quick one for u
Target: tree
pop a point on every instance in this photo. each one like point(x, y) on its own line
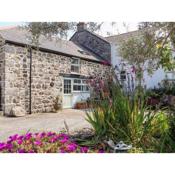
point(164, 39)
point(150, 49)
point(58, 29)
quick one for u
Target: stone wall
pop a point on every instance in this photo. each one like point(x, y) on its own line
point(47, 80)
point(2, 75)
point(94, 43)
point(16, 78)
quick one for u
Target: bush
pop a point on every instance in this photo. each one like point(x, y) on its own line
point(121, 117)
point(56, 104)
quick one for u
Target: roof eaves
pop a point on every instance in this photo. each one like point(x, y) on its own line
point(52, 51)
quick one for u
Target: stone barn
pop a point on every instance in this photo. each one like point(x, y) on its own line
point(32, 78)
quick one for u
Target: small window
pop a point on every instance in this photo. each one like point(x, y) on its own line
point(78, 81)
point(80, 85)
point(77, 87)
point(67, 86)
point(75, 65)
point(123, 75)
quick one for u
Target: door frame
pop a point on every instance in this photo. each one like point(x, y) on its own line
point(71, 94)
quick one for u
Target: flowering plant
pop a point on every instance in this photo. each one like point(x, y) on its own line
point(45, 142)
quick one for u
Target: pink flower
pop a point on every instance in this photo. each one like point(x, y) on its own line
point(65, 136)
point(13, 138)
point(71, 147)
point(28, 136)
point(19, 142)
point(50, 134)
point(53, 139)
point(84, 149)
point(38, 143)
point(42, 135)
point(2, 146)
point(64, 140)
point(21, 151)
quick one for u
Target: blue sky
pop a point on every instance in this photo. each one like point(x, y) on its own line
point(9, 23)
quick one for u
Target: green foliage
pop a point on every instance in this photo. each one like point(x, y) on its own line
point(166, 58)
point(125, 118)
point(160, 123)
point(57, 29)
point(151, 47)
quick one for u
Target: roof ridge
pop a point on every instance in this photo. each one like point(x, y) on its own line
point(124, 33)
point(130, 32)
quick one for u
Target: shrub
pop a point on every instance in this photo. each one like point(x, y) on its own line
point(56, 104)
point(121, 117)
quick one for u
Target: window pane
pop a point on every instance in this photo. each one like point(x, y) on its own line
point(74, 61)
point(85, 88)
point(77, 81)
point(77, 88)
point(67, 86)
point(84, 81)
point(74, 68)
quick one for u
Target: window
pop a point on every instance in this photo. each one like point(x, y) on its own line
point(80, 85)
point(123, 75)
point(67, 86)
point(75, 65)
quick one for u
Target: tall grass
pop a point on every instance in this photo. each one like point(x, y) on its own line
point(122, 117)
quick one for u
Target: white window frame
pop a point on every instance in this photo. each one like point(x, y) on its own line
point(75, 65)
point(170, 73)
point(81, 84)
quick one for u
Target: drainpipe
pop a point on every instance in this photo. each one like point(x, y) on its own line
point(30, 82)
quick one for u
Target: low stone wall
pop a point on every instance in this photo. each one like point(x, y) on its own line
point(47, 82)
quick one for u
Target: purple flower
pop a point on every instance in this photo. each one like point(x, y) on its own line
point(64, 140)
point(50, 134)
point(64, 136)
point(13, 137)
point(28, 136)
point(2, 146)
point(71, 147)
point(53, 139)
point(36, 134)
point(19, 142)
point(21, 151)
point(42, 135)
point(20, 137)
point(38, 142)
point(84, 149)
point(100, 151)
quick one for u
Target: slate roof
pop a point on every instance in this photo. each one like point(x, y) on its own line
point(124, 36)
point(21, 36)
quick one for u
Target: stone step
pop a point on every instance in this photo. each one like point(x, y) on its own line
point(1, 113)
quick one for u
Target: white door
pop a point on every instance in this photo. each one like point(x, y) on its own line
point(67, 98)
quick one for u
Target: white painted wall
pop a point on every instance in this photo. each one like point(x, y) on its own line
point(150, 81)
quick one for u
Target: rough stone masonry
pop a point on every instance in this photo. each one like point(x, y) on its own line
point(47, 77)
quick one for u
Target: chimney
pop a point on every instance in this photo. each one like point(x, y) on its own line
point(81, 26)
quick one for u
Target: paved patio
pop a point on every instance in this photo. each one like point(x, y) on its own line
point(75, 119)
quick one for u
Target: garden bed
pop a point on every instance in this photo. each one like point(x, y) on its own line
point(45, 142)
